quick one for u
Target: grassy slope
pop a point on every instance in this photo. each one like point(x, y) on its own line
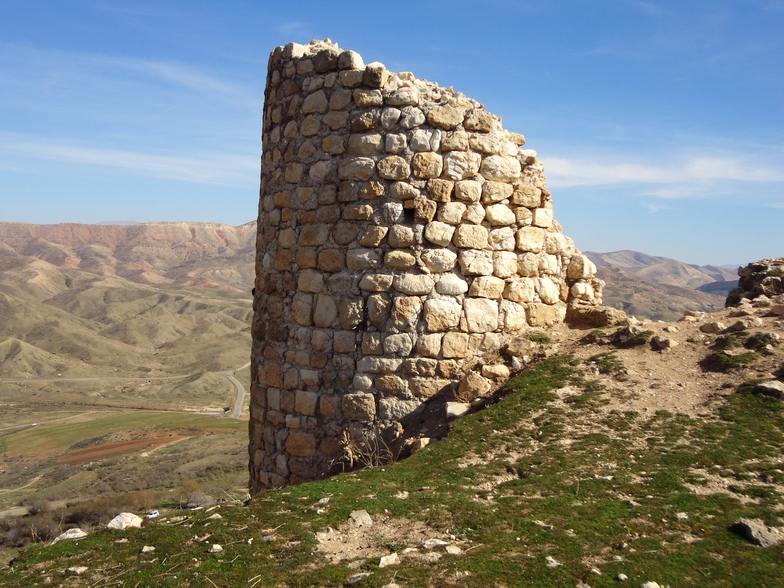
point(611, 487)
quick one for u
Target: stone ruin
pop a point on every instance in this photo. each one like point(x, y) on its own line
point(759, 278)
point(406, 244)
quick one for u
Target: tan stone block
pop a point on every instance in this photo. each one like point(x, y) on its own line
point(528, 265)
point(373, 236)
point(306, 258)
point(328, 404)
point(391, 384)
point(356, 168)
point(500, 215)
point(361, 259)
point(421, 366)
point(461, 165)
point(315, 102)
point(310, 126)
point(451, 212)
point(364, 121)
point(326, 214)
point(474, 262)
point(470, 237)
point(423, 388)
point(439, 260)
point(527, 195)
point(429, 345)
point(495, 192)
point(395, 143)
point(403, 191)
point(364, 98)
point(400, 236)
point(449, 368)
point(530, 239)
point(331, 260)
point(400, 344)
point(442, 314)
point(344, 342)
point(293, 173)
point(439, 190)
point(350, 60)
point(287, 238)
point(351, 313)
point(426, 165)
point(439, 233)
point(445, 117)
point(487, 287)
point(325, 311)
point(413, 284)
point(473, 386)
point(365, 144)
point(502, 168)
point(351, 78)
point(340, 98)
point(345, 233)
point(400, 260)
point(481, 315)
point(455, 141)
point(379, 306)
point(454, 345)
point(405, 312)
point(306, 402)
point(547, 290)
point(371, 190)
point(452, 285)
point(336, 120)
point(378, 365)
point(502, 239)
point(504, 264)
point(394, 167)
point(478, 120)
point(496, 371)
point(282, 260)
point(580, 268)
point(513, 316)
point(358, 212)
point(468, 190)
point(542, 217)
point(544, 315)
point(372, 343)
point(375, 75)
point(488, 143)
point(376, 282)
point(310, 281)
point(520, 290)
point(300, 444)
point(424, 209)
point(359, 407)
point(406, 96)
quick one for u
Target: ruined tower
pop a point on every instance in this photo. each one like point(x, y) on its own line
point(405, 239)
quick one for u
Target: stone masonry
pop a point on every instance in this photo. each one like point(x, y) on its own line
point(406, 242)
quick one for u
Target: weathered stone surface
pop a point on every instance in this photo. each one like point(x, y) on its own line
point(439, 190)
point(356, 168)
point(473, 386)
point(316, 102)
point(124, 520)
point(400, 236)
point(499, 215)
point(460, 165)
point(426, 165)
point(394, 167)
point(481, 315)
point(487, 287)
point(439, 233)
point(530, 239)
point(399, 260)
point(500, 168)
point(442, 314)
point(758, 533)
point(400, 344)
point(470, 237)
point(454, 345)
point(359, 259)
point(580, 268)
point(439, 260)
point(325, 311)
point(445, 117)
point(452, 285)
point(451, 212)
point(476, 263)
point(405, 312)
point(414, 284)
point(376, 282)
point(375, 75)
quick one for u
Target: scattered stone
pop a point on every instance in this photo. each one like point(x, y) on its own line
point(772, 388)
point(433, 543)
point(389, 560)
point(70, 534)
point(402, 495)
point(660, 343)
point(360, 518)
point(357, 577)
point(621, 577)
point(215, 548)
point(713, 327)
point(649, 585)
point(456, 410)
point(758, 533)
point(453, 550)
point(125, 520)
point(552, 562)
point(147, 549)
point(214, 517)
point(681, 516)
point(543, 525)
point(76, 570)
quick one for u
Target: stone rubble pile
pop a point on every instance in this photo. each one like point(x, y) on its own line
point(759, 278)
point(405, 239)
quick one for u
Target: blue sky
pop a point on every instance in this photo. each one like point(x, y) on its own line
point(660, 123)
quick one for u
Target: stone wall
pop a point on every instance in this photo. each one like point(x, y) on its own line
point(405, 243)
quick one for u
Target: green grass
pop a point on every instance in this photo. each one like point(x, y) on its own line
point(609, 486)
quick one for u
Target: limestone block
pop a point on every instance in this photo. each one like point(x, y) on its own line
point(496, 191)
point(468, 190)
point(520, 290)
point(400, 260)
point(445, 117)
point(351, 313)
point(473, 386)
point(306, 402)
point(476, 263)
point(373, 236)
point(426, 165)
point(358, 407)
point(375, 75)
point(394, 167)
point(544, 315)
point(439, 233)
point(400, 236)
point(474, 214)
point(315, 102)
point(293, 173)
point(287, 238)
point(425, 140)
point(582, 291)
point(452, 285)
point(421, 366)
point(350, 60)
point(439, 260)
point(400, 345)
point(542, 217)
point(454, 345)
point(500, 215)
point(478, 120)
point(414, 284)
point(403, 191)
point(395, 143)
point(310, 126)
point(390, 213)
point(502, 239)
point(310, 281)
point(530, 239)
point(504, 264)
point(389, 117)
point(325, 311)
point(461, 165)
point(336, 120)
point(557, 244)
point(501, 168)
point(513, 316)
point(426, 387)
point(548, 264)
point(378, 306)
point(442, 314)
point(439, 190)
point(580, 268)
point(425, 210)
point(470, 237)
point(411, 117)
point(396, 409)
point(429, 345)
point(356, 168)
point(527, 195)
point(408, 96)
point(361, 258)
point(328, 404)
point(300, 444)
point(302, 309)
point(372, 344)
point(481, 315)
point(528, 265)
point(365, 143)
point(309, 378)
point(488, 143)
point(547, 290)
point(331, 260)
point(365, 120)
point(405, 312)
point(392, 384)
point(378, 365)
point(487, 287)
point(366, 98)
point(451, 212)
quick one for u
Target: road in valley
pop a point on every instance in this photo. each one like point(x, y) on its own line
point(240, 399)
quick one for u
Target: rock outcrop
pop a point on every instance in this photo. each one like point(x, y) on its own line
point(760, 278)
point(405, 239)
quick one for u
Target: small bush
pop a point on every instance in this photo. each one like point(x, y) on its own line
point(721, 361)
point(538, 337)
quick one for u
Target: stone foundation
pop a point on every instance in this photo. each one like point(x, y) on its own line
point(405, 239)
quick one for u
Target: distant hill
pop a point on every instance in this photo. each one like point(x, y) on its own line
point(660, 288)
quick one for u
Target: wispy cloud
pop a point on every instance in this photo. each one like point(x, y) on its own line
point(204, 168)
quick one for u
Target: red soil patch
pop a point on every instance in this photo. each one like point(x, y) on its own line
point(112, 449)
